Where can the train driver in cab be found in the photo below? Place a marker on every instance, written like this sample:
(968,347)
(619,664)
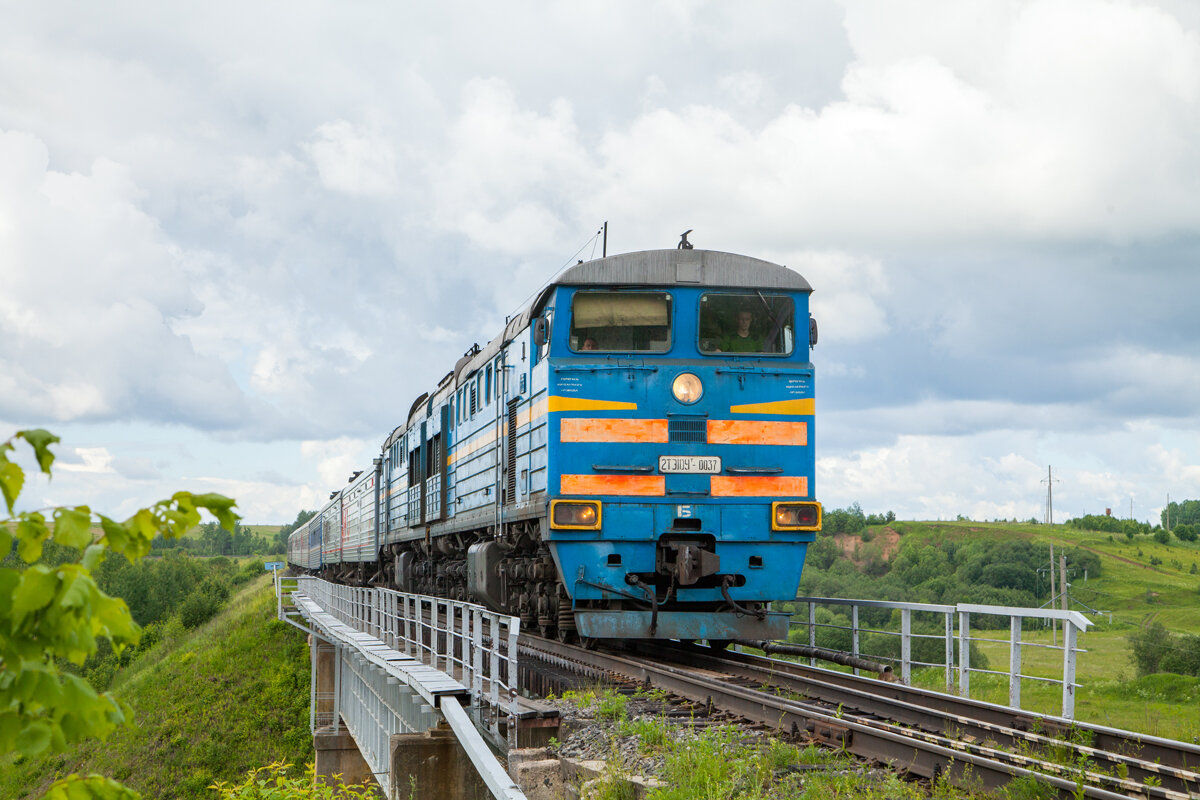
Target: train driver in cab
(742,339)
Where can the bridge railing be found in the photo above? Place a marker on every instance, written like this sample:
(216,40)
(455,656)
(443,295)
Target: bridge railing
(948,629)
(468,642)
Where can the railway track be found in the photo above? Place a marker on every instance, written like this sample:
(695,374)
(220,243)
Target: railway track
(928,734)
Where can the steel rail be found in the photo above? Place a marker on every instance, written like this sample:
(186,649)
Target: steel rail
(1159,756)
(944,714)
(918,752)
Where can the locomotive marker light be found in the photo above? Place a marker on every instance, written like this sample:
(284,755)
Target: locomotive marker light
(572,515)
(687,388)
(795,516)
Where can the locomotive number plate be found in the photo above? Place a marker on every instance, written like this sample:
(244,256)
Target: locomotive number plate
(702,464)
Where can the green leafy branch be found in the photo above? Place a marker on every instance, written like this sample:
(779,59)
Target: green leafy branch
(48,614)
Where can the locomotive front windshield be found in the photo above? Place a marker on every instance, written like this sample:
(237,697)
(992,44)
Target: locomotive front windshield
(621,321)
(746,322)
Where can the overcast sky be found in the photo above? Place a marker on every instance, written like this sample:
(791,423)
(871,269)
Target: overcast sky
(237,240)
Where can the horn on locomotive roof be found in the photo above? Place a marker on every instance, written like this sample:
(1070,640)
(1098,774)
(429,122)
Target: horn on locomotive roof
(684,244)
(355,475)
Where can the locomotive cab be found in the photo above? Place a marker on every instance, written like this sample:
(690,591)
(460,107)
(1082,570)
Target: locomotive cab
(681,466)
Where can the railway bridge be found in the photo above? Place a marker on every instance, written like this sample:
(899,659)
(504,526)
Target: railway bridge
(411,692)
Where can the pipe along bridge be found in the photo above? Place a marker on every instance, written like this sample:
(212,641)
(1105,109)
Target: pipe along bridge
(411,692)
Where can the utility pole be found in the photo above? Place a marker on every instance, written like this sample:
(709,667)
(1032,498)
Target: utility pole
(1053,597)
(1168,511)
(1062,580)
(1050,481)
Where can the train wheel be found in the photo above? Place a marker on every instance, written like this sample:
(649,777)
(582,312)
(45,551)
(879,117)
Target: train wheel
(565,636)
(589,642)
(719,644)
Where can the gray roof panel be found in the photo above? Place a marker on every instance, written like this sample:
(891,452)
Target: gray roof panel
(709,268)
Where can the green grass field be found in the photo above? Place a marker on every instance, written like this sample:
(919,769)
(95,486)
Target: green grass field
(1135,592)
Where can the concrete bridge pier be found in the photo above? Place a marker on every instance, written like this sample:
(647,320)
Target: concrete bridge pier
(337,754)
(433,766)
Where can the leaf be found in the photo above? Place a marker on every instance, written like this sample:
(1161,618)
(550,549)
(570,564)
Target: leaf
(93,787)
(218,505)
(31,532)
(116,535)
(93,556)
(73,526)
(12,478)
(10,726)
(34,592)
(6,542)
(33,738)
(77,591)
(142,524)
(40,440)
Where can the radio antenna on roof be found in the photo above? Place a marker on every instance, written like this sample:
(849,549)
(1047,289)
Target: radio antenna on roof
(684,244)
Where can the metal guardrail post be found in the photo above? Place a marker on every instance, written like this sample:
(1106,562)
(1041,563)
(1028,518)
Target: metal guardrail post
(949,652)
(1068,688)
(514,631)
(812,630)
(312,684)
(854,634)
(906,646)
(964,653)
(1014,661)
(337,687)
(477,657)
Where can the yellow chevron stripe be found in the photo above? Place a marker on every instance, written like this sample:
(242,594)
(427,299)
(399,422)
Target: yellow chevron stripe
(583,404)
(807,406)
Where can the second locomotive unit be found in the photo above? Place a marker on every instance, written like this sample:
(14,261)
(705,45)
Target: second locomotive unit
(631,458)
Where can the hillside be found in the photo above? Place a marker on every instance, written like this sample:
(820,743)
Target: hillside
(209,705)
(1139,581)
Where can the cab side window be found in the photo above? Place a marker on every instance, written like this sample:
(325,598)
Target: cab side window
(621,322)
(746,323)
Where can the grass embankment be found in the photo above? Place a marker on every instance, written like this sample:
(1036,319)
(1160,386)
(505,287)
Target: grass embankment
(1139,582)
(209,705)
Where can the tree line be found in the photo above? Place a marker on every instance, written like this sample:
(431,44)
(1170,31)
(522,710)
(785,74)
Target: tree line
(1184,531)
(211,539)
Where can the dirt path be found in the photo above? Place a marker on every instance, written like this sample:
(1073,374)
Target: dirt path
(1126,560)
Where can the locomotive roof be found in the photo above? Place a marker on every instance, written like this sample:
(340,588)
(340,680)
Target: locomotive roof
(684,268)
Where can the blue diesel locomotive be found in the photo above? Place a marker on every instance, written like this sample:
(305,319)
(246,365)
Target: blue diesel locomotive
(631,458)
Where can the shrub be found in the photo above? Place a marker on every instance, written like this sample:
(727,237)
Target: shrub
(1183,658)
(1162,537)
(1150,645)
(198,609)
(274,781)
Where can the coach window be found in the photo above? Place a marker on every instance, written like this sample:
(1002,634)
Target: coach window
(748,323)
(487,392)
(621,322)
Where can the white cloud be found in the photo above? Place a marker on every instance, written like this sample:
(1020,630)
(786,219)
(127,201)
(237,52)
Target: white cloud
(276,226)
(354,160)
(91,459)
(337,459)
(90,288)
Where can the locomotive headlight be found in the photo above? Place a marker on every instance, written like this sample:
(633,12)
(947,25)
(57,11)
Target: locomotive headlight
(795,516)
(575,515)
(687,388)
